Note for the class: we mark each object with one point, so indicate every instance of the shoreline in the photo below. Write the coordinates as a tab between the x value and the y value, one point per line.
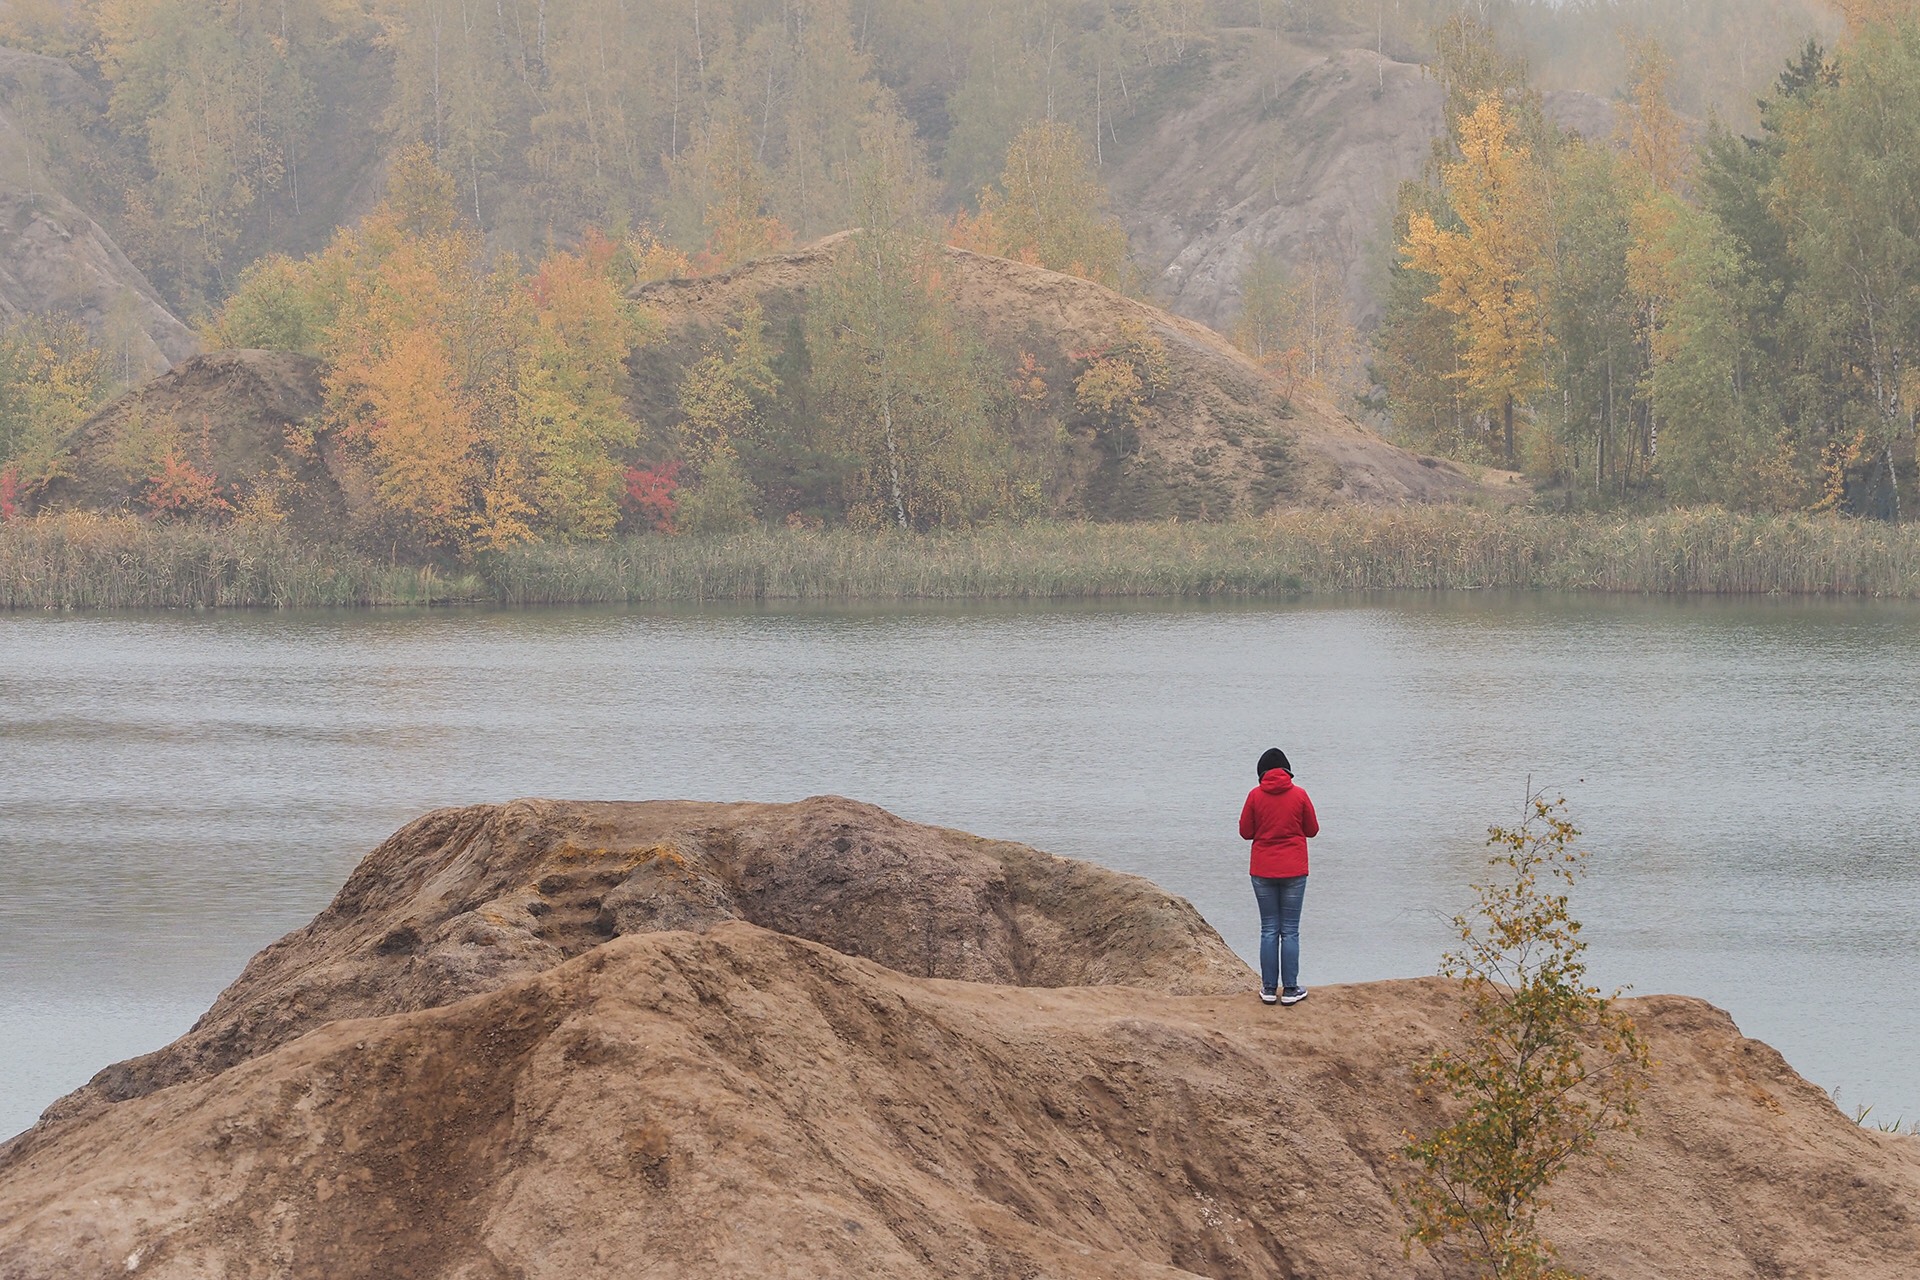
82	562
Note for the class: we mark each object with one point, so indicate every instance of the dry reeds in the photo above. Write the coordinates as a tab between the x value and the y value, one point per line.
1347	549
78	561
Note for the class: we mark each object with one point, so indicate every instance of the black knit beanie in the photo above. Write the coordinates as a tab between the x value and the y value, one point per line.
1270	759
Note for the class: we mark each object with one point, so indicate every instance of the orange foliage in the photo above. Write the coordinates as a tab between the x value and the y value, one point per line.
182	489
1030	379
649	258
422	433
480	405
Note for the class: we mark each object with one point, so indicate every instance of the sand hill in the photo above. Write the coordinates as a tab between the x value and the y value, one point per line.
227	411
552	1039
1225	437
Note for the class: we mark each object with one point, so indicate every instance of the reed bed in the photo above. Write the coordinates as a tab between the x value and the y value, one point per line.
77	561
97	562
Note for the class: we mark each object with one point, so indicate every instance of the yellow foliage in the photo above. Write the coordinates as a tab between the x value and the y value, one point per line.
50	379
1050	209
737	224
1547	1068
1111	391
482	405
1490	272
651	258
1655	135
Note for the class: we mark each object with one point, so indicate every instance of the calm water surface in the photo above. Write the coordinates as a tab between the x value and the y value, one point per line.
177	791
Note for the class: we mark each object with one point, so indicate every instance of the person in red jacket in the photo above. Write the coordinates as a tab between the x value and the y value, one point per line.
1279	818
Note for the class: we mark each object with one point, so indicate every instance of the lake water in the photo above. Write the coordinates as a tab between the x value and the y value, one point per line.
177	791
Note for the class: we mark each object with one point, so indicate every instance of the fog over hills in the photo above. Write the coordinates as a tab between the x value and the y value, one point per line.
1221	130
1592	294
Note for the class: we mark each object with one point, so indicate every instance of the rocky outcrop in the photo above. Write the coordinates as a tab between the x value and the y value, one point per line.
552	1040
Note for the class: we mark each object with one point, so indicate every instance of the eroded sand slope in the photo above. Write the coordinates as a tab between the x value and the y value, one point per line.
658	1084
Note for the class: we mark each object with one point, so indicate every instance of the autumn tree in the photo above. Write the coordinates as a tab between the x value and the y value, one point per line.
593	136
1723	442
220	101
1011	79
1489	272
1419	349
833	103
1294	323
448	56
1050	209
892	367
1546	1068
1416	349
724	398
732	188
1120	385
1599	357
1850	196
1473	63
569	422
276	305
479	406
50	380
1654	135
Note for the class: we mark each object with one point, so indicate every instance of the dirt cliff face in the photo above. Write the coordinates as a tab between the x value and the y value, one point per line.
54	258
1291	149
642	1079
237	415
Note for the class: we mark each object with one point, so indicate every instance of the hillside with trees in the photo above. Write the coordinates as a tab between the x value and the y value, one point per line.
1723	319
1514	234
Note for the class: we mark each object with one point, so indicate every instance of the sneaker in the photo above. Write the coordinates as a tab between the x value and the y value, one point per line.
1267	997
1293	995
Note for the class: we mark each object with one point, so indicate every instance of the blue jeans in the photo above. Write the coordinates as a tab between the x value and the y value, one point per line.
1279	901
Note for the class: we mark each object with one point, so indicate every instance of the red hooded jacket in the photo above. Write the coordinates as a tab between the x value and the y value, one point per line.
1278	817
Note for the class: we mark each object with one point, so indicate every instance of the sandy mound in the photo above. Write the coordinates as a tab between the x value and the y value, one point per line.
465	901
1223	438
739	1102
227	413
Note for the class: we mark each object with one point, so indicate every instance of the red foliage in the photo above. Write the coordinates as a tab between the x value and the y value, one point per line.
650	493
597	250
182	489
10	492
